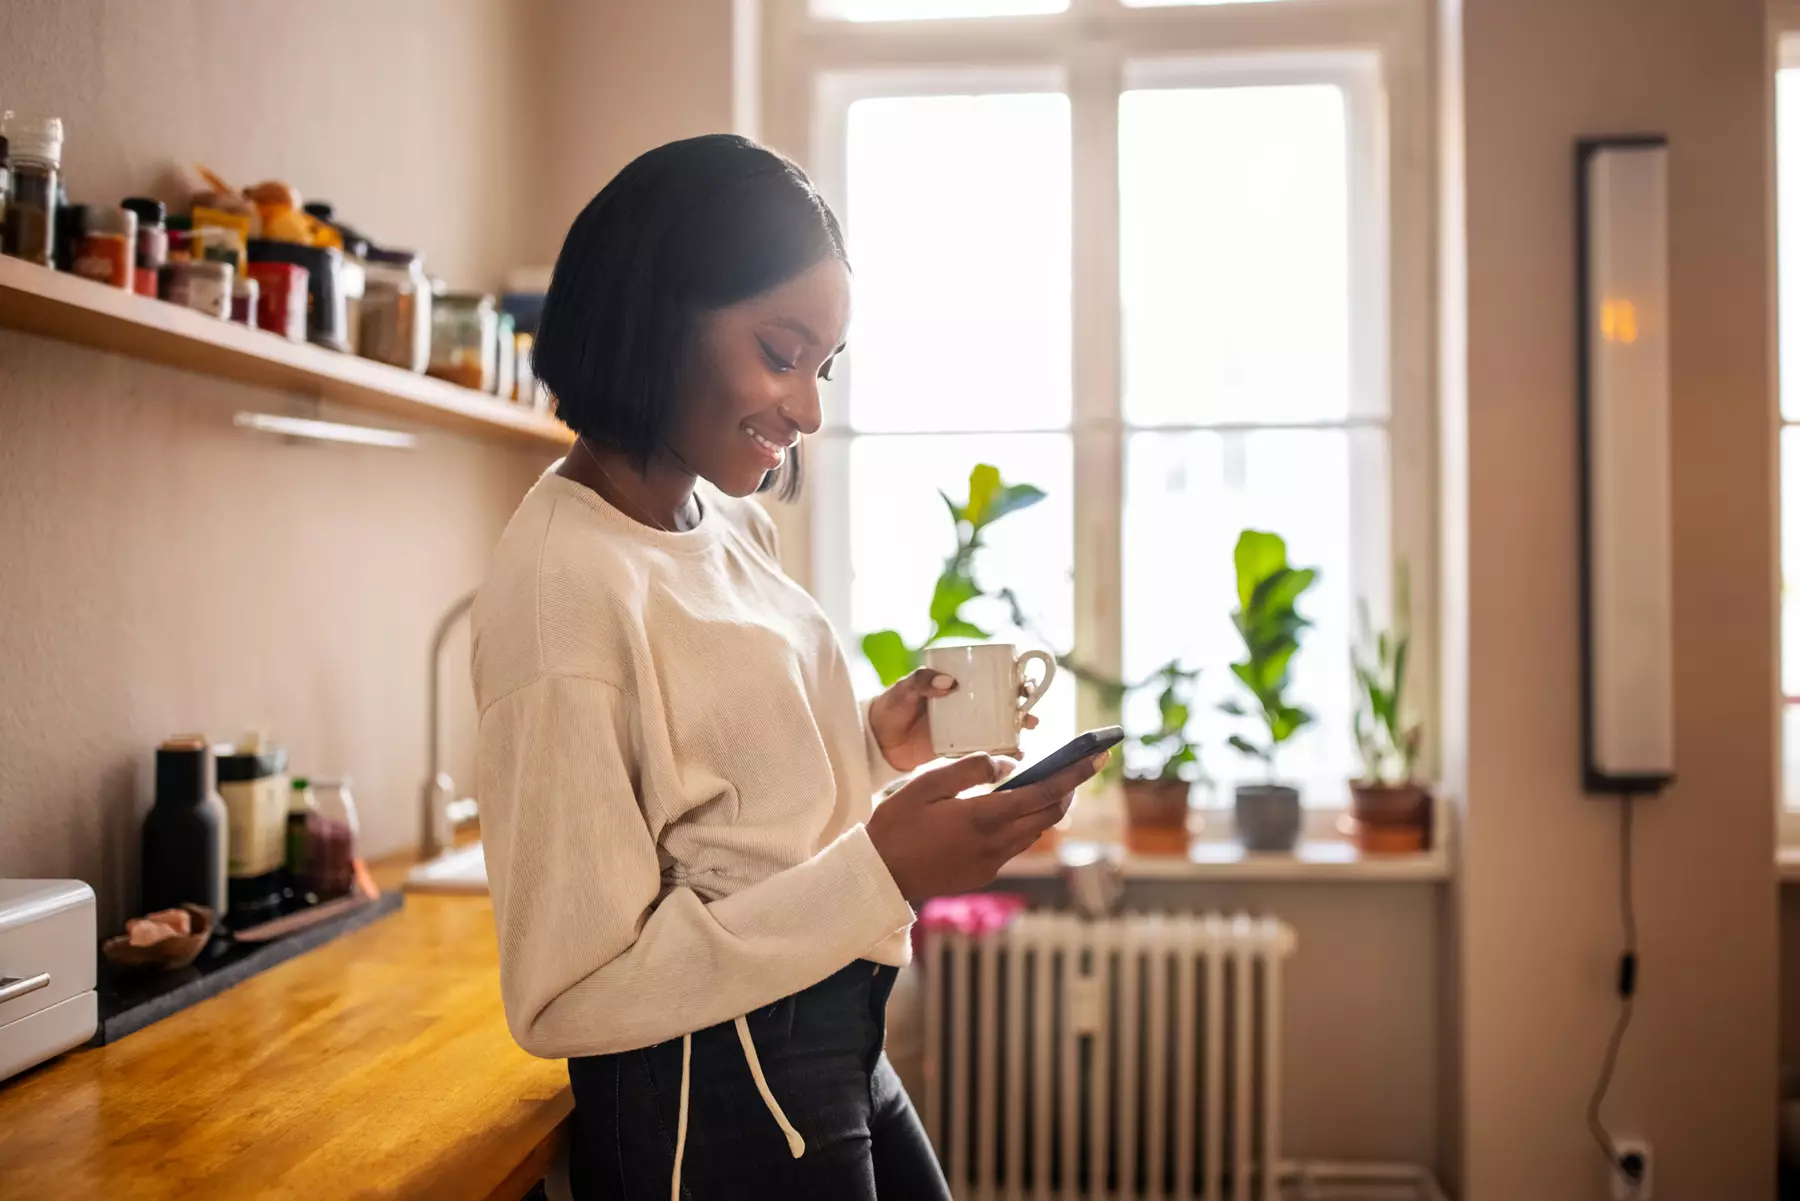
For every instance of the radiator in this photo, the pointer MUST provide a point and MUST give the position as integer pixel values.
(1136, 1057)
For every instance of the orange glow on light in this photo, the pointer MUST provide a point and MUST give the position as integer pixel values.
(1618, 321)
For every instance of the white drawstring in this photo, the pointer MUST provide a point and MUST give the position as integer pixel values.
(687, 1055)
(796, 1144)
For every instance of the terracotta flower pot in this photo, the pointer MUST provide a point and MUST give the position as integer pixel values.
(1268, 817)
(1389, 817)
(1156, 816)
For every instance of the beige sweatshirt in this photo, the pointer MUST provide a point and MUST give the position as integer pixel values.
(674, 773)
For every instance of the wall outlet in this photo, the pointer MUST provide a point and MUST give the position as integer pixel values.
(1632, 1178)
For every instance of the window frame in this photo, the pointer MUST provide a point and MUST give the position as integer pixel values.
(1784, 55)
(813, 67)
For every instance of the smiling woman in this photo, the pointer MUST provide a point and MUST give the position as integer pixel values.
(676, 778)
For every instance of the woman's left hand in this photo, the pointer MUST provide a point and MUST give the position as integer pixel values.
(897, 718)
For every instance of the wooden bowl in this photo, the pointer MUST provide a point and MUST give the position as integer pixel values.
(169, 955)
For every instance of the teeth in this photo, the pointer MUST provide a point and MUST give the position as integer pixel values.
(771, 447)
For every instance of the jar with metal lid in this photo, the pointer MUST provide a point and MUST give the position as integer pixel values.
(34, 158)
(396, 309)
(152, 249)
(254, 784)
(463, 326)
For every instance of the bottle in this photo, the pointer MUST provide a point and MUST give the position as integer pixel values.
(302, 815)
(253, 782)
(5, 185)
(185, 831)
(34, 159)
(152, 242)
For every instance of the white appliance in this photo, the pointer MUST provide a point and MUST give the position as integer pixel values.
(48, 943)
(1134, 1057)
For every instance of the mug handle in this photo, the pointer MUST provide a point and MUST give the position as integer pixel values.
(1035, 691)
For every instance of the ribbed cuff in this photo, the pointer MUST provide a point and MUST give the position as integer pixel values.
(885, 909)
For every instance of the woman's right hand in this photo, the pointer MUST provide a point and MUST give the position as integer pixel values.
(935, 842)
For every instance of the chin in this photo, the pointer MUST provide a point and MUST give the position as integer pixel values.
(739, 482)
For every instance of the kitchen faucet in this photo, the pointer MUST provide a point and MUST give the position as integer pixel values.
(440, 810)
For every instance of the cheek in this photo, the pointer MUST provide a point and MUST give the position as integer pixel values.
(721, 391)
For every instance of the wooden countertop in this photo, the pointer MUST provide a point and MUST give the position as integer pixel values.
(378, 1065)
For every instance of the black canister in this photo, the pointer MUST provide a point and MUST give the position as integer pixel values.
(185, 831)
(327, 317)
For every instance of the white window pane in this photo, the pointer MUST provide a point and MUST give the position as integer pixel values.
(1234, 254)
(918, 10)
(1790, 561)
(1790, 756)
(900, 535)
(1188, 497)
(957, 218)
(1787, 170)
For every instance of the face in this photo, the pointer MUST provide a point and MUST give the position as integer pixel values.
(751, 387)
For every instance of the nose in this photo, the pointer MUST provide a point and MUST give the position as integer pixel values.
(803, 409)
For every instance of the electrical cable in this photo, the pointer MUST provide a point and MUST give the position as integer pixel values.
(1627, 986)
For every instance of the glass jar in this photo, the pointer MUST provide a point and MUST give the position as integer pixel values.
(152, 241)
(396, 310)
(107, 252)
(34, 159)
(463, 329)
(331, 850)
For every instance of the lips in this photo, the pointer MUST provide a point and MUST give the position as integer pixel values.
(770, 451)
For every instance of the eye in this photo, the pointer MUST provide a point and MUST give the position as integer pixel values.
(775, 361)
(825, 371)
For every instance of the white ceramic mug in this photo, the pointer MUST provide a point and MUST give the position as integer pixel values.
(992, 697)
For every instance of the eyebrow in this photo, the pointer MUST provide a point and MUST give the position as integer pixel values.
(797, 326)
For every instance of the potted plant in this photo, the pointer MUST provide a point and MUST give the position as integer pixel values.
(1266, 618)
(1156, 800)
(1389, 808)
(990, 499)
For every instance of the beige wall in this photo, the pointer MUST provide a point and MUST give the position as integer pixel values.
(165, 572)
(614, 80)
(1538, 918)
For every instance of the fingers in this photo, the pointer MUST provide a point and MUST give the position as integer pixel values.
(1030, 722)
(1004, 808)
(971, 771)
(929, 682)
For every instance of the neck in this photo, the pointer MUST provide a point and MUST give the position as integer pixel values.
(660, 494)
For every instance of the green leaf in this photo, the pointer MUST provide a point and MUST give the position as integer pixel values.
(958, 628)
(1011, 500)
(1245, 747)
(984, 486)
(957, 514)
(953, 589)
(1257, 556)
(889, 655)
(1400, 649)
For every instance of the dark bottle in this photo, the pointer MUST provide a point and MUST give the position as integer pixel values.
(184, 832)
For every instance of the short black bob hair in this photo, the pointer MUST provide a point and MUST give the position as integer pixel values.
(686, 228)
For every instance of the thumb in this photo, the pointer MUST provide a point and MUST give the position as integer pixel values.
(971, 771)
(928, 682)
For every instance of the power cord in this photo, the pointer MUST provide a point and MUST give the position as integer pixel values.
(1627, 986)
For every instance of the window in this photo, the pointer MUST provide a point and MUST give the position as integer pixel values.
(1787, 170)
(1140, 259)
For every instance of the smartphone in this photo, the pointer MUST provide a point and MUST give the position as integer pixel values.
(1082, 746)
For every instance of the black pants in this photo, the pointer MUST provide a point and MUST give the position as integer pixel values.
(820, 1052)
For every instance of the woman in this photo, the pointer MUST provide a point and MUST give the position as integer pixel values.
(695, 904)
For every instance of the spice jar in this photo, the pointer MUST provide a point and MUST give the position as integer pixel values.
(34, 159)
(107, 252)
(244, 293)
(396, 309)
(152, 242)
(5, 185)
(253, 782)
(505, 352)
(204, 287)
(462, 339)
(71, 226)
(281, 307)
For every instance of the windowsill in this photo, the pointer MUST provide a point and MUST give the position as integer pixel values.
(1322, 861)
(1787, 863)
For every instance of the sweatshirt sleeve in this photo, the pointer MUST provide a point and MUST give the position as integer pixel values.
(595, 956)
(881, 772)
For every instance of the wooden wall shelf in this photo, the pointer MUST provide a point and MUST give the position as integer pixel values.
(58, 305)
